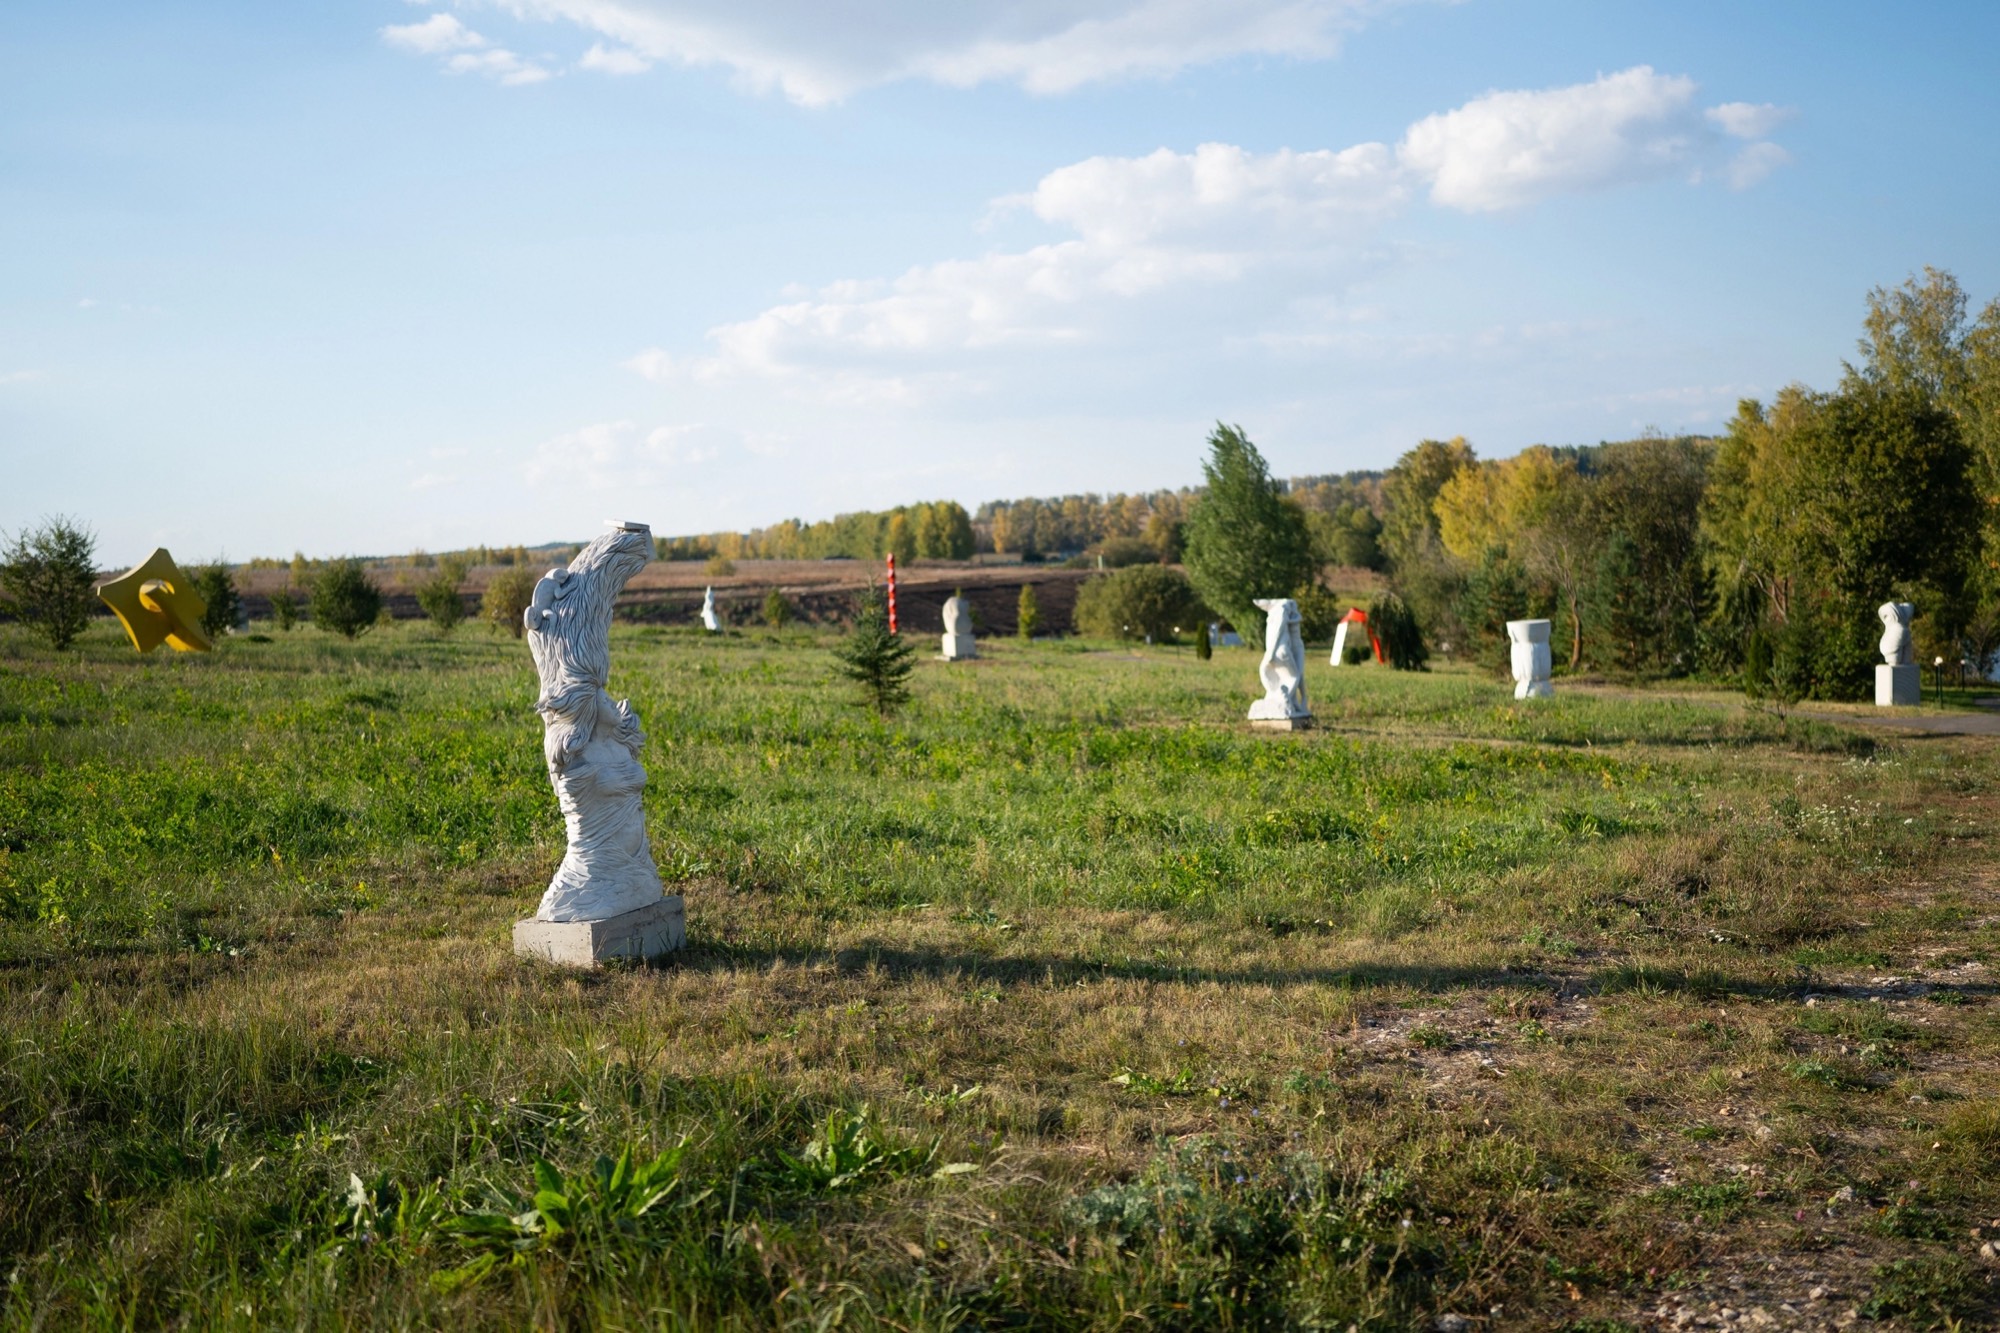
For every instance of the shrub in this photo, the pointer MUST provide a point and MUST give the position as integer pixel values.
(1028, 615)
(507, 597)
(875, 659)
(1319, 612)
(719, 566)
(344, 600)
(50, 573)
(1396, 627)
(1204, 647)
(1120, 552)
(285, 609)
(438, 596)
(777, 609)
(1137, 602)
(222, 604)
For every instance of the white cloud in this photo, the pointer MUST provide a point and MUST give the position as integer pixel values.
(613, 60)
(503, 65)
(434, 36)
(817, 54)
(23, 376)
(1508, 149)
(1221, 235)
(608, 455)
(465, 51)
(1749, 120)
(1754, 163)
(1216, 190)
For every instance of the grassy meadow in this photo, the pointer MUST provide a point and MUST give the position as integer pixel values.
(1063, 1000)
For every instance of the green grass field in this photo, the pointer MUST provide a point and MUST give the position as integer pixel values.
(1061, 1001)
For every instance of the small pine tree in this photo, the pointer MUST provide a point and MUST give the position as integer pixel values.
(438, 595)
(875, 659)
(285, 609)
(222, 603)
(1204, 647)
(344, 600)
(50, 573)
(777, 609)
(507, 597)
(1029, 614)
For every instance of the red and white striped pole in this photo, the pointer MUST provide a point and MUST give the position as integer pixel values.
(892, 592)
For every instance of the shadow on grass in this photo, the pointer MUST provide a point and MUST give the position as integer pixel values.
(1032, 970)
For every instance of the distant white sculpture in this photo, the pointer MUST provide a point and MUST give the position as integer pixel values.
(1283, 669)
(1533, 665)
(710, 619)
(607, 886)
(1219, 637)
(958, 644)
(1896, 650)
(1899, 681)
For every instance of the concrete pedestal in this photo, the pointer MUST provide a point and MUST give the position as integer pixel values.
(645, 932)
(1899, 686)
(1281, 723)
(958, 648)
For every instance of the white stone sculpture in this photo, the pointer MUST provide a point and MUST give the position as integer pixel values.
(1283, 671)
(1899, 681)
(711, 620)
(1529, 640)
(606, 899)
(958, 644)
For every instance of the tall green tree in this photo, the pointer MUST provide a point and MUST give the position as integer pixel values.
(1245, 540)
(50, 574)
(1918, 337)
(1419, 568)
(1826, 505)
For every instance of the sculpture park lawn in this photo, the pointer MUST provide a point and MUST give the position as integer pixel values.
(1063, 1000)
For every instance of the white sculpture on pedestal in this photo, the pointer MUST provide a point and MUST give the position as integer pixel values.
(606, 896)
(710, 619)
(1283, 669)
(958, 644)
(1899, 680)
(1533, 665)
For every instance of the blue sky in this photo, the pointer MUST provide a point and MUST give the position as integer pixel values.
(377, 275)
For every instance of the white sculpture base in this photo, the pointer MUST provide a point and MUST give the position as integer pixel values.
(1282, 723)
(646, 932)
(1899, 686)
(959, 648)
(1535, 689)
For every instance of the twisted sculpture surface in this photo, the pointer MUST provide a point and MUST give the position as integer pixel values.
(590, 740)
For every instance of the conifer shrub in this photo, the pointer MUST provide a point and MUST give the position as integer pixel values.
(50, 575)
(1396, 628)
(1028, 614)
(221, 603)
(875, 659)
(344, 600)
(778, 611)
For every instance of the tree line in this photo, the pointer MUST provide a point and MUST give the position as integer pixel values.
(1764, 551)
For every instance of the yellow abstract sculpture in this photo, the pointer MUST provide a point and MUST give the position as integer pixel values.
(157, 603)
